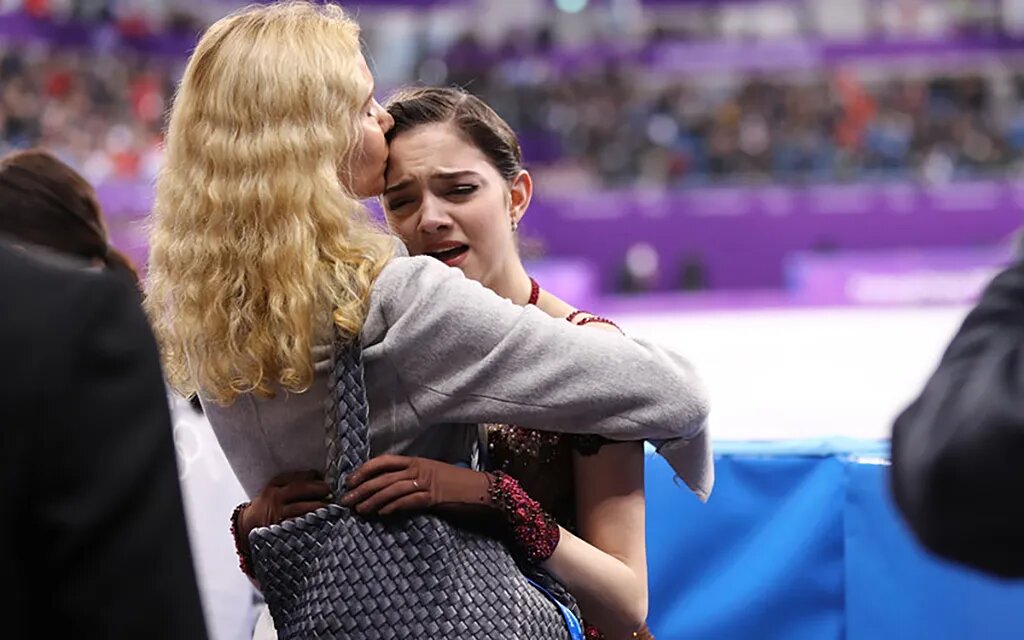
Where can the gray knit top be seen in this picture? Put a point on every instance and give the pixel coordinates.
(442, 354)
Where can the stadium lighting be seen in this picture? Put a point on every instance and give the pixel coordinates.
(571, 6)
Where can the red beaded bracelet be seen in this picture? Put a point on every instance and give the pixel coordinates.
(572, 316)
(590, 318)
(534, 531)
(600, 320)
(241, 547)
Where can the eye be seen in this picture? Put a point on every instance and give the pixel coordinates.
(462, 190)
(398, 203)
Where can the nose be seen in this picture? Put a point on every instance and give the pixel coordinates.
(433, 217)
(386, 120)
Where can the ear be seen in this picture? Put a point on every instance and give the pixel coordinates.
(521, 192)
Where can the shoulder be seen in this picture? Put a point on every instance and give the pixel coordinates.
(47, 291)
(405, 274)
(37, 271)
(61, 317)
(422, 289)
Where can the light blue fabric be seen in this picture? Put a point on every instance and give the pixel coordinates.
(572, 623)
(800, 541)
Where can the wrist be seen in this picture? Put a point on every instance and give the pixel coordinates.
(241, 538)
(533, 530)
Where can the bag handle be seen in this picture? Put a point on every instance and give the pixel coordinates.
(346, 414)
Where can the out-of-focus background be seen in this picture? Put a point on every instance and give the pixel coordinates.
(802, 195)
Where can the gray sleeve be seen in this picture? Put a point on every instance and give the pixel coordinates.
(464, 354)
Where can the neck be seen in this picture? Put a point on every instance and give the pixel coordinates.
(512, 283)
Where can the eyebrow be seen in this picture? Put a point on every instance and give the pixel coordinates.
(398, 186)
(440, 175)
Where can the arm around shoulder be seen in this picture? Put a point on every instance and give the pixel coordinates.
(465, 354)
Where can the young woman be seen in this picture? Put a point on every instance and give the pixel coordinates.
(261, 254)
(456, 190)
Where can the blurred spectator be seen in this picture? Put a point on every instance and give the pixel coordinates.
(95, 530)
(45, 203)
(692, 274)
(957, 450)
(640, 269)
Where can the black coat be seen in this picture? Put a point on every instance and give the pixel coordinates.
(958, 450)
(93, 532)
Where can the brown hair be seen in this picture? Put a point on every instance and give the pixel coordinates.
(45, 202)
(431, 105)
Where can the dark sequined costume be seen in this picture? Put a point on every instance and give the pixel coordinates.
(542, 462)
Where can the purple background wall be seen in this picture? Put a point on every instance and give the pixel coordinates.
(743, 235)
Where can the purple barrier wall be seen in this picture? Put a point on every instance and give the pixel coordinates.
(741, 236)
(918, 276)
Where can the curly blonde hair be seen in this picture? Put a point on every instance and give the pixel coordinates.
(255, 240)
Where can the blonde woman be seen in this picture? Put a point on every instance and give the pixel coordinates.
(261, 251)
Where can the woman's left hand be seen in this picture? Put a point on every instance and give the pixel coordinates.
(389, 484)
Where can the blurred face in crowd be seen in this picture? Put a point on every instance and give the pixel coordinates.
(446, 200)
(371, 160)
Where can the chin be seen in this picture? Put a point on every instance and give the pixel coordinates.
(370, 190)
(368, 185)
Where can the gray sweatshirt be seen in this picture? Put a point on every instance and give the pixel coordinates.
(442, 353)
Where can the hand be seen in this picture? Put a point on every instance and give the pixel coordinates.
(288, 495)
(390, 483)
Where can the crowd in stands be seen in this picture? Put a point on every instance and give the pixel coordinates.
(606, 124)
(101, 113)
(625, 123)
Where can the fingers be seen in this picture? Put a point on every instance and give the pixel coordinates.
(401, 489)
(377, 466)
(297, 509)
(378, 492)
(304, 491)
(410, 502)
(373, 485)
(289, 477)
(259, 513)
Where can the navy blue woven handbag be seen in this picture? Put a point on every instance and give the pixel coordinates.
(334, 574)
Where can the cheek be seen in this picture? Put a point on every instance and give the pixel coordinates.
(374, 146)
(382, 145)
(487, 226)
(405, 228)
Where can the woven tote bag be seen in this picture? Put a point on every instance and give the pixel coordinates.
(334, 574)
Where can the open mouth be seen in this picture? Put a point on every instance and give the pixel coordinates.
(450, 257)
